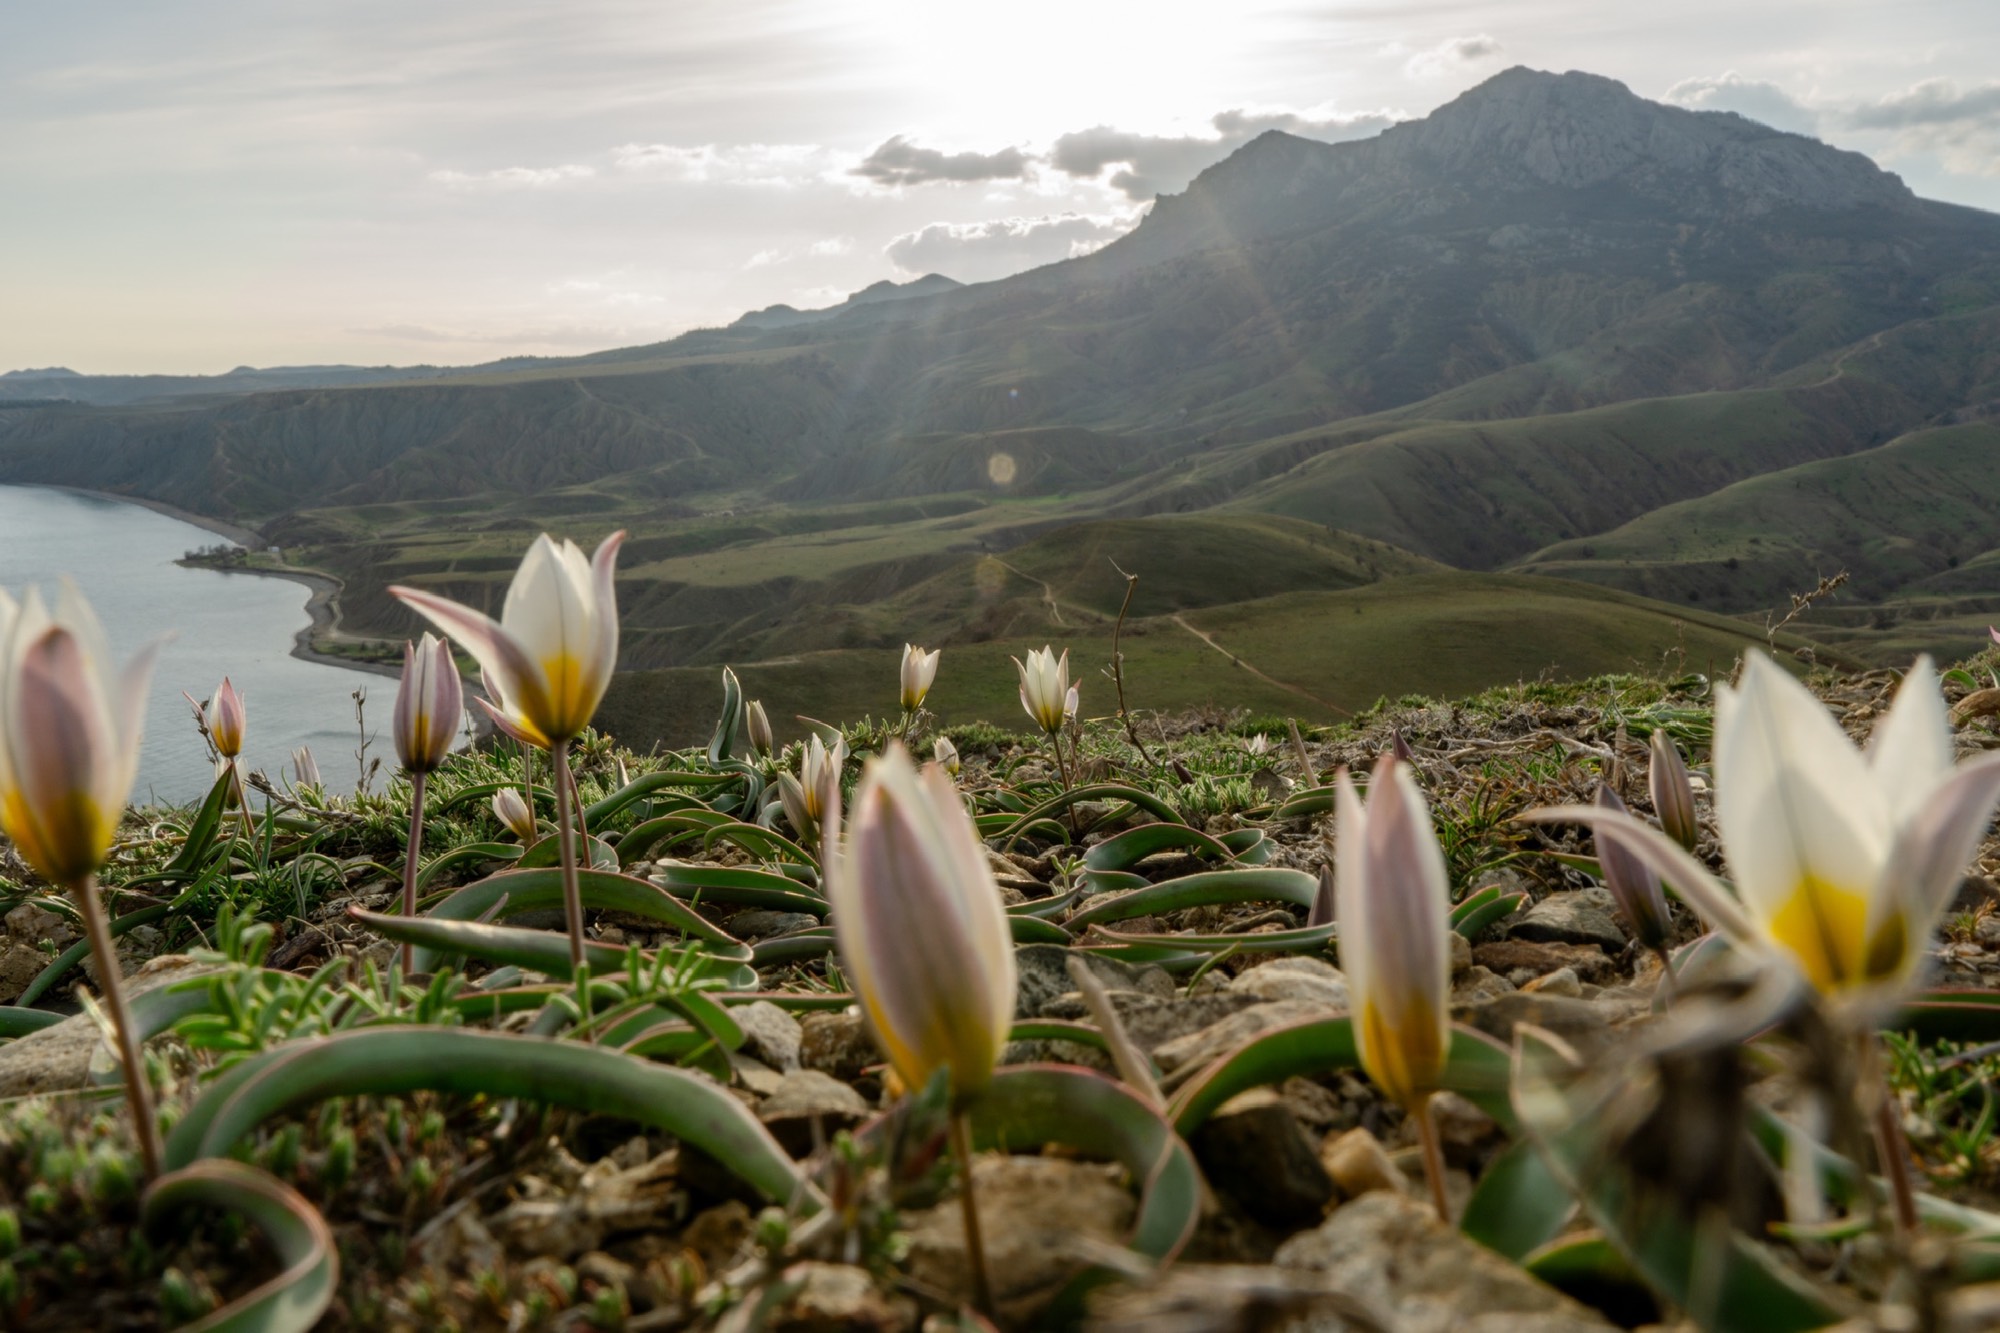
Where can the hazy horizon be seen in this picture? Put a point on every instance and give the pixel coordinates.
(196, 190)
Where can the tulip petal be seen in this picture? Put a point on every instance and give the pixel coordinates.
(1708, 896)
(604, 609)
(523, 691)
(1911, 747)
(1794, 798)
(1934, 848)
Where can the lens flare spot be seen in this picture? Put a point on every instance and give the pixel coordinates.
(1001, 468)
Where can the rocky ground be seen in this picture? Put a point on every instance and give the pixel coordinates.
(469, 1213)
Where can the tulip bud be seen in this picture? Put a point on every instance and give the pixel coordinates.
(816, 789)
(512, 812)
(69, 734)
(759, 727)
(1634, 886)
(305, 769)
(1046, 692)
(225, 720)
(1672, 791)
(946, 755)
(919, 670)
(1394, 910)
(429, 702)
(920, 927)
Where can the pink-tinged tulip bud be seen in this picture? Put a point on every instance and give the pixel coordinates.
(305, 769)
(1673, 791)
(429, 703)
(1400, 746)
(1046, 692)
(946, 755)
(548, 659)
(759, 727)
(919, 670)
(1633, 885)
(1993, 633)
(921, 930)
(225, 720)
(1394, 903)
(512, 812)
(69, 733)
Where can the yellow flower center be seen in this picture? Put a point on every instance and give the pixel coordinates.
(1405, 1063)
(65, 843)
(1825, 928)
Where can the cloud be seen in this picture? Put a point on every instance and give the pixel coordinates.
(979, 251)
(1962, 128)
(1452, 54)
(1151, 164)
(1930, 103)
(1758, 99)
(514, 178)
(899, 162)
(832, 245)
(765, 164)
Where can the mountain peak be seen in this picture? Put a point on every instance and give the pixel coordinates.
(1576, 130)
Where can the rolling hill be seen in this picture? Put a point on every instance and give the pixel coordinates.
(1552, 328)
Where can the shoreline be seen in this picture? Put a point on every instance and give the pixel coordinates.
(323, 600)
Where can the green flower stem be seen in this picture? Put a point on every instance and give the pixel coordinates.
(137, 1091)
(572, 895)
(975, 1249)
(1894, 1154)
(410, 862)
(1427, 1132)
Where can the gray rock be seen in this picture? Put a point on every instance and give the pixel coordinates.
(1478, 984)
(1039, 1217)
(759, 922)
(1308, 979)
(839, 1296)
(1044, 977)
(20, 964)
(1253, 1150)
(1185, 1056)
(1562, 981)
(1587, 916)
(58, 1058)
(1419, 1276)
(837, 1044)
(1583, 1023)
(31, 923)
(1227, 1297)
(807, 1098)
(1358, 1163)
(770, 1034)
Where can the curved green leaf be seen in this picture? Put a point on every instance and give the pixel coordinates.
(738, 886)
(548, 852)
(1519, 1205)
(390, 1061)
(1476, 1068)
(1097, 791)
(1469, 919)
(201, 833)
(1027, 1107)
(471, 853)
(1266, 884)
(18, 1022)
(1305, 804)
(515, 891)
(542, 950)
(1178, 953)
(645, 785)
(1125, 850)
(723, 745)
(292, 1301)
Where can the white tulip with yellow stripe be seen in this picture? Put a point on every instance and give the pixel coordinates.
(921, 929)
(1046, 692)
(69, 750)
(1394, 904)
(550, 655)
(1393, 898)
(919, 670)
(1843, 859)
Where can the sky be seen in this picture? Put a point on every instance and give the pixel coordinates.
(186, 187)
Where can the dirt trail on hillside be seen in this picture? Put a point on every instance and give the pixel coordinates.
(1234, 660)
(1048, 589)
